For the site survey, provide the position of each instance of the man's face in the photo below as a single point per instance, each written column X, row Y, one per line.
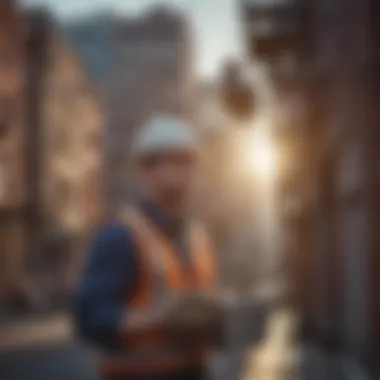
column 169, row 175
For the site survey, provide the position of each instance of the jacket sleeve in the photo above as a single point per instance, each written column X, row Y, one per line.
column 109, row 277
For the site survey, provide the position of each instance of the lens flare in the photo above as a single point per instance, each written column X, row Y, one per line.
column 263, row 155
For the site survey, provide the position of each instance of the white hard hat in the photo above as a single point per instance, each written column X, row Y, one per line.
column 164, row 133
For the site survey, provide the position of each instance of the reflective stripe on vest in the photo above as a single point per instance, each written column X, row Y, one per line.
column 161, row 276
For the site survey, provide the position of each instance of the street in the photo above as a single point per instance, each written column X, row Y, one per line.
column 277, row 358
column 44, row 349
column 63, row 361
column 70, row 361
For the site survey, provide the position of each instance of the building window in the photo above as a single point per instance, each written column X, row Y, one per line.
column 62, row 197
column 5, row 113
column 4, row 127
column 61, row 139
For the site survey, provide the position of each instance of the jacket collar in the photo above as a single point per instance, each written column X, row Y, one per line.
column 171, row 227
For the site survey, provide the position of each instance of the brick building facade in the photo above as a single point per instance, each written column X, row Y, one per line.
column 50, row 155
column 12, row 167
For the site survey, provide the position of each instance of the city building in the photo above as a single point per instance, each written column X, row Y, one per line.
column 71, row 158
column 148, row 70
column 92, row 38
column 335, row 183
column 12, row 168
column 50, row 157
column 343, row 147
column 334, row 188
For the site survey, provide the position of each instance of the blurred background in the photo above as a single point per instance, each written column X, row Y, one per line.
column 284, row 96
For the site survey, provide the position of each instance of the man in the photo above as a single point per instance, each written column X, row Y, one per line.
column 141, row 267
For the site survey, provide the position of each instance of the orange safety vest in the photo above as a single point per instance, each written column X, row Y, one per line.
column 160, row 276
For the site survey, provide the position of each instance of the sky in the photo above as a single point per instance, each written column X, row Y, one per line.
column 214, row 22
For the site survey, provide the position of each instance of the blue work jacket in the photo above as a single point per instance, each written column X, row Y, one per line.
column 111, row 274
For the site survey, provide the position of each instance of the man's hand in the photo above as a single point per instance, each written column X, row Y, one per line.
column 195, row 318
column 192, row 318
column 151, row 319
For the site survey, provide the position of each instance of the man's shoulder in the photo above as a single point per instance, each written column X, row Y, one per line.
column 111, row 248
column 113, row 232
